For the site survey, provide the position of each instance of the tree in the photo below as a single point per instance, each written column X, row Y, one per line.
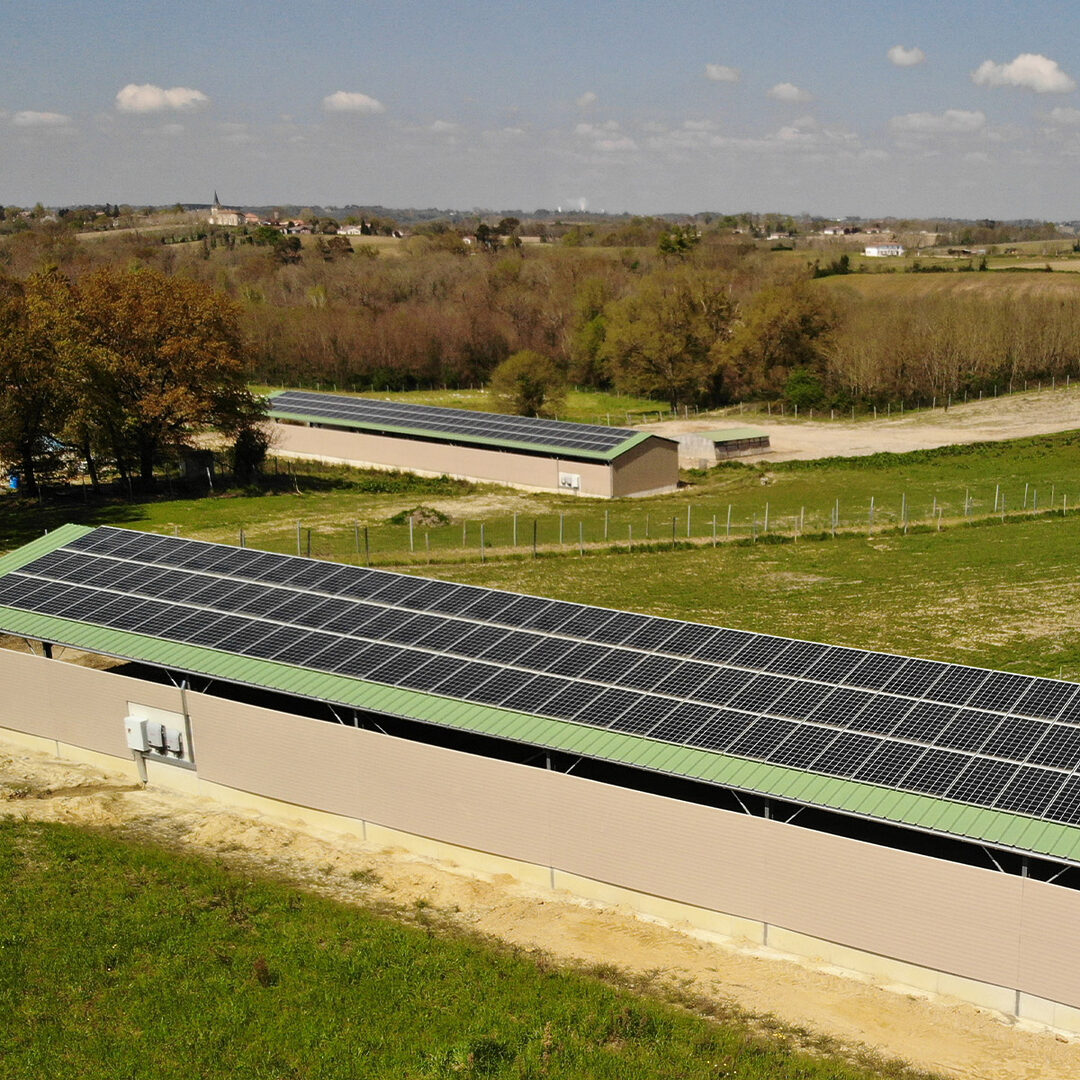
column 679, row 240
column 528, row 383
column 34, row 395
column 162, row 362
column 784, row 327
column 662, row 339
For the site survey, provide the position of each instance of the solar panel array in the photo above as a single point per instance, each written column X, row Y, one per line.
column 988, row 738
column 460, row 425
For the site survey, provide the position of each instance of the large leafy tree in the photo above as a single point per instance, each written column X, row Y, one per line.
column 661, row 340
column 161, row 361
column 35, row 394
column 528, row 384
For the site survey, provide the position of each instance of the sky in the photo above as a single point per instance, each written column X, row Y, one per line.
column 905, row 108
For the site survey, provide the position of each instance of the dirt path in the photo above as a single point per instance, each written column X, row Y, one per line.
column 1012, row 417
column 937, row 1034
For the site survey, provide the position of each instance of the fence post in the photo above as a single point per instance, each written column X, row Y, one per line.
column 356, row 536
column 630, row 536
column 427, row 544
column 483, row 552
column 309, row 543
column 646, row 526
column 687, row 521
column 714, row 530
column 672, row 532
column 562, row 519
column 1025, row 496
column 903, row 511
column 605, row 524
column 534, row 538
column 515, row 528
column 412, row 545
column 765, row 529
column 242, row 544
column 581, row 537
column 729, row 521
column 367, row 547
column 298, row 538
column 997, row 492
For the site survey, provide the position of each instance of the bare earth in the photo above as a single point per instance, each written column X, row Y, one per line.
column 936, row 1034
column 1012, row 417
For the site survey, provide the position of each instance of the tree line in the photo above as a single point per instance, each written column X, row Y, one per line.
column 123, row 369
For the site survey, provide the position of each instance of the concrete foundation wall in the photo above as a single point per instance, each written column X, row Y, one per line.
column 990, row 937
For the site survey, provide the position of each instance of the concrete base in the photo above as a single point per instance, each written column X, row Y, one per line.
column 715, row 926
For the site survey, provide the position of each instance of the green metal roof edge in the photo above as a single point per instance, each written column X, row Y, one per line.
column 480, row 440
column 994, row 827
column 13, row 560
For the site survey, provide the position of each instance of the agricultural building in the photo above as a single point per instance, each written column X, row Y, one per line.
column 884, row 251
column 703, row 449
column 916, row 820
column 543, row 455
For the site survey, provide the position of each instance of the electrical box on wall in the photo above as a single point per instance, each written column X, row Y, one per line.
column 158, row 734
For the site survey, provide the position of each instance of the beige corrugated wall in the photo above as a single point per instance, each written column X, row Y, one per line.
column 979, row 924
column 438, row 459
column 652, row 465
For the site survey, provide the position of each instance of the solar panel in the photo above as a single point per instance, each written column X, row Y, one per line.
column 457, row 425
column 993, row 739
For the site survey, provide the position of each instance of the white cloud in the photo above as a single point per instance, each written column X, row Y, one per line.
column 442, row 127
column 623, row 142
column 29, row 118
column 166, row 130
column 721, row 73
column 1029, row 70
column 147, row 98
column 902, row 57
column 1065, row 114
column 586, row 99
column 344, row 101
column 786, row 91
column 698, row 125
column 951, row 121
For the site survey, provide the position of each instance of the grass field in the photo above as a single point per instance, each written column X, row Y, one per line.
column 120, row 960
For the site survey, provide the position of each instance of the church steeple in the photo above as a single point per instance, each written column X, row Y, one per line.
column 217, row 201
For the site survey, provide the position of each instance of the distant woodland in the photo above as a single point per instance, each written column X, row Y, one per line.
column 694, row 313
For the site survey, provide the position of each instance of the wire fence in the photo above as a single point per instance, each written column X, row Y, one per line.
column 697, row 524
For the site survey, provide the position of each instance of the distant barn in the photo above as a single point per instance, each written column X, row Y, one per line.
column 543, row 455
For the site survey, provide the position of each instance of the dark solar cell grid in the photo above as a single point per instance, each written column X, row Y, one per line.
column 476, row 640
column 845, row 755
column 916, row 678
column 531, row 696
column 241, row 638
column 890, row 764
column 684, row 679
column 999, row 691
column 722, row 685
column 880, row 715
column 796, row 659
column 646, row 674
column 511, row 647
column 722, row 730
column 1070, row 712
column 762, row 737
column 398, row 666
column 835, row 664
column 874, row 670
column 759, row 693
column 841, row 706
column 982, row 781
column 546, row 651
column 522, row 610
column 1045, row 698
column 1066, row 804
column 722, row 646
column 1015, row 737
column 271, row 643
column 804, row 744
column 610, row 705
column 578, row 659
column 550, row 617
column 969, row 729
column 396, row 590
column 645, row 715
column 1060, row 749
column 586, row 623
column 762, row 651
column 1030, row 791
column 957, row 684
column 488, row 605
column 688, row 638
column 936, row 772
column 652, row 635
column 616, row 629
column 353, row 619
column 571, row 699
column 428, row 676
column 924, row 722
column 799, row 699
column 363, row 661
column 612, row 668
column 492, row 689
column 682, row 723
column 407, row 629
column 305, row 648
column 430, row 592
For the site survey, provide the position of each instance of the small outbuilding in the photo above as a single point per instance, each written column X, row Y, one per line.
column 703, row 449
column 521, row 451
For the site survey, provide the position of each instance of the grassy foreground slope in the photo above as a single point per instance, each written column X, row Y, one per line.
column 122, row 960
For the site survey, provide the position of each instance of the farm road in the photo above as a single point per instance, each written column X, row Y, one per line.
column 942, row 1035
column 1011, row 417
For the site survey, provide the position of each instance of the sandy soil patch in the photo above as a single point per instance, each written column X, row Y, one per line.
column 938, row 1034
column 990, row 420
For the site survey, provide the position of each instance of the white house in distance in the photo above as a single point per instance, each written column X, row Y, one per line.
column 883, row 250
column 219, row 215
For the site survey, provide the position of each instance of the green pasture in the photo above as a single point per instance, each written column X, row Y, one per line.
column 122, row 960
